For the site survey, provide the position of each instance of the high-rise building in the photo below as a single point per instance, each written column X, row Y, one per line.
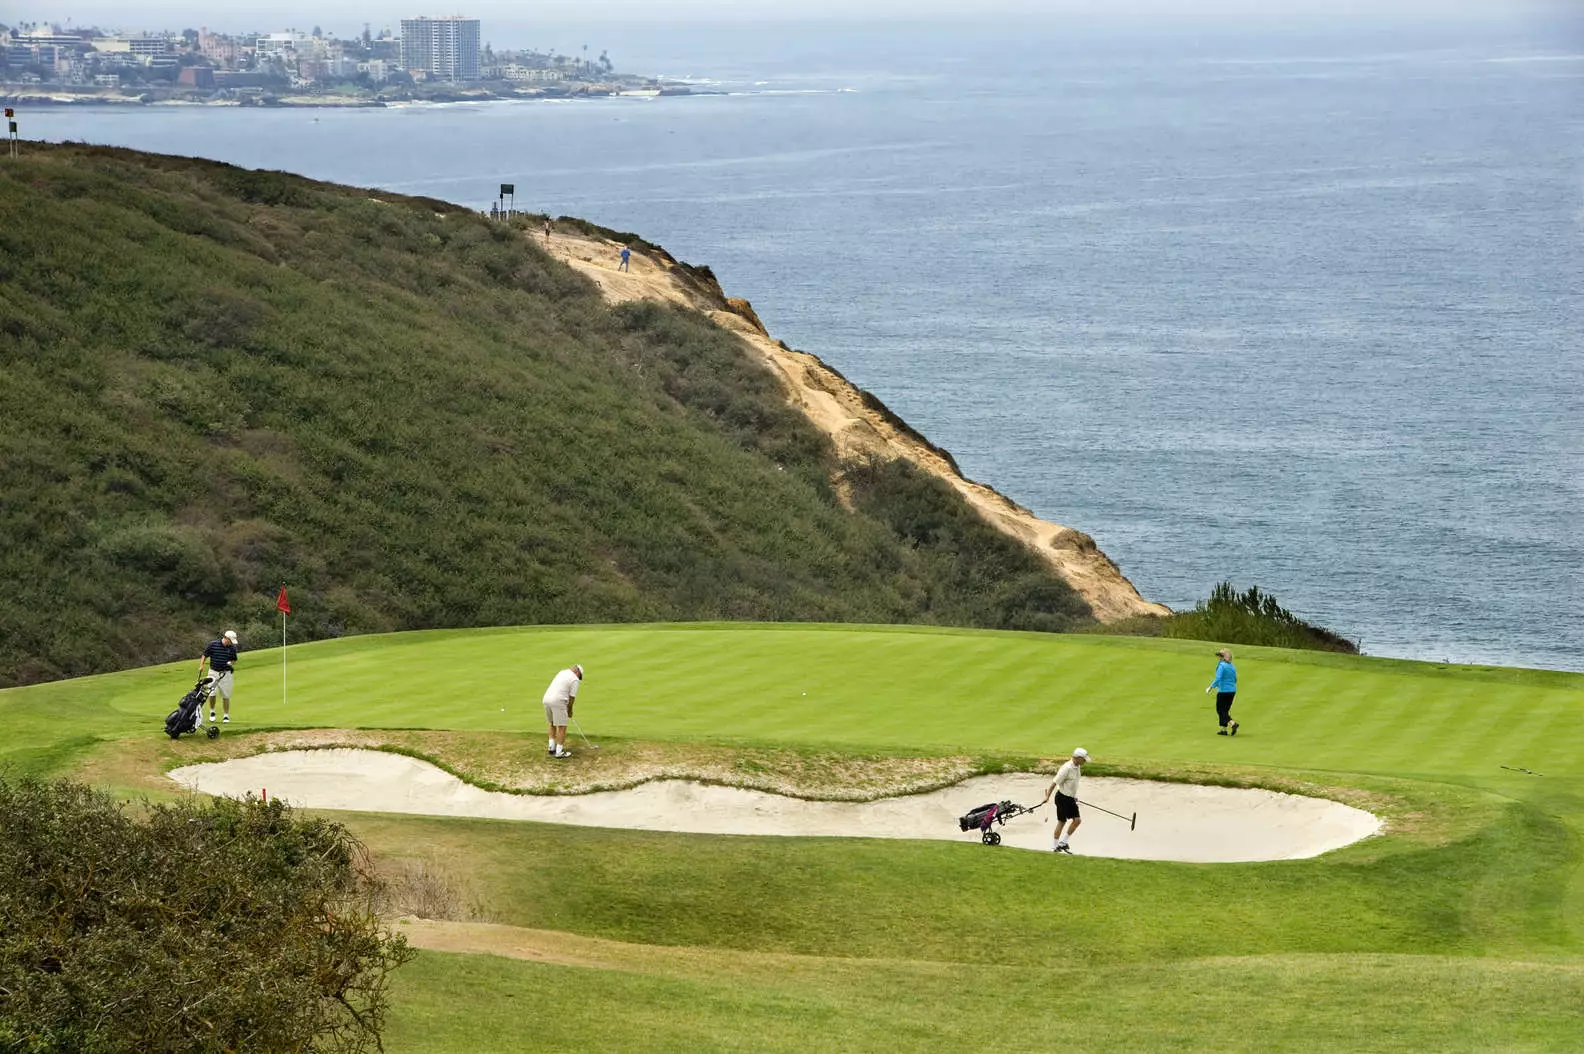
column 447, row 49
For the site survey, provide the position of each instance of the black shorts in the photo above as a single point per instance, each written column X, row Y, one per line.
column 1066, row 808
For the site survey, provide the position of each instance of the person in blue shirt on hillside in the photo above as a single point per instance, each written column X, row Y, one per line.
column 1225, row 686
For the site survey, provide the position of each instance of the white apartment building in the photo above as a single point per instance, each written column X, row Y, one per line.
column 446, row 49
column 288, row 46
column 142, row 47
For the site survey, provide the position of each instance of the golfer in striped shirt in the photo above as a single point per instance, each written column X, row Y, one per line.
column 221, row 657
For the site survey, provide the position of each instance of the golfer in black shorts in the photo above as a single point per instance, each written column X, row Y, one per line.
column 1066, row 787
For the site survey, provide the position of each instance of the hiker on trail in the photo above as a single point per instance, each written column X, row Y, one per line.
column 558, row 700
column 220, row 655
column 547, row 230
column 1225, row 685
column 1066, row 787
column 626, row 255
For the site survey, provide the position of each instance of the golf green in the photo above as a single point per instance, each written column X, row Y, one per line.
column 1461, row 928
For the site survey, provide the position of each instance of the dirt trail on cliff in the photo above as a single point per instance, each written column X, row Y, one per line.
column 858, row 425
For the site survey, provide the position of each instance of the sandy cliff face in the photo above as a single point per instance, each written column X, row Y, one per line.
column 857, row 422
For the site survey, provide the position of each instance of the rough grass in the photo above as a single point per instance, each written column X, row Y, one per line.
column 716, row 1002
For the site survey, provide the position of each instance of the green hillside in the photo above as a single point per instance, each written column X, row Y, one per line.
column 214, row 381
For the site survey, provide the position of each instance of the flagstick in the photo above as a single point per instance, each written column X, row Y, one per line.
column 283, row 660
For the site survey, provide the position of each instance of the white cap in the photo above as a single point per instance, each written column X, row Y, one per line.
column 577, row 669
column 1080, row 753
column 230, row 635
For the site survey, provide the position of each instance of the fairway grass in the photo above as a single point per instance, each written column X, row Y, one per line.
column 467, row 1003
column 1461, row 928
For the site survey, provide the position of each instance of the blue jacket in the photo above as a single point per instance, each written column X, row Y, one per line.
column 1225, row 677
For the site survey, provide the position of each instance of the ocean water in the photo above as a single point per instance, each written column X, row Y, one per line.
column 1302, row 308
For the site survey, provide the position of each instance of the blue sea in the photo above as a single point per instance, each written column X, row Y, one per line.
column 1298, row 308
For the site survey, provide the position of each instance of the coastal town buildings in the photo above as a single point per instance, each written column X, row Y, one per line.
column 221, row 51
column 512, row 71
column 435, row 57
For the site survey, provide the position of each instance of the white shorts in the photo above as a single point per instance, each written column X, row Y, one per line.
column 221, row 684
column 556, row 713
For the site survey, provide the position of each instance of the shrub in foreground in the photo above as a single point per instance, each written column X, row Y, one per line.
column 205, row 925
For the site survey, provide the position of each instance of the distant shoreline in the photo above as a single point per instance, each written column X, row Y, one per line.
column 308, row 102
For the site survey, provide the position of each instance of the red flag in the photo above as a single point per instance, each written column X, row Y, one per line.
column 282, row 604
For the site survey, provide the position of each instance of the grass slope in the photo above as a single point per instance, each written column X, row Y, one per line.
column 215, row 381
column 1462, row 929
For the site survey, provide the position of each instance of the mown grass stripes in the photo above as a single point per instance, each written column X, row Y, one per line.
column 935, row 690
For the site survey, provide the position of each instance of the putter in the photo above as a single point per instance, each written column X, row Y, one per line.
column 591, row 746
column 1132, row 820
column 1516, row 768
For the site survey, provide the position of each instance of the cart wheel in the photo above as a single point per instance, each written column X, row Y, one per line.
column 213, row 732
column 991, row 838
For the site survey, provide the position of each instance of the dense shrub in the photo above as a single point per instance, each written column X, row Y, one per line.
column 1251, row 617
column 979, row 576
column 207, row 925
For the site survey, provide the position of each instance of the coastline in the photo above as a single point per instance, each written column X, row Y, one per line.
column 15, row 97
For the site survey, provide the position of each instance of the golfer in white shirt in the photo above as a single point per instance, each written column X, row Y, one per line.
column 558, row 700
column 1066, row 787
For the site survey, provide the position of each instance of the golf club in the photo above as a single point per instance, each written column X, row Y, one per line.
column 1516, row 768
column 1132, row 820
column 591, row 746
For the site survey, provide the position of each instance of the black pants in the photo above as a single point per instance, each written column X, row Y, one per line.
column 1224, row 707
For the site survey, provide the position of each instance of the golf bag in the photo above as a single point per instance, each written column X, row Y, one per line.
column 188, row 714
column 985, row 816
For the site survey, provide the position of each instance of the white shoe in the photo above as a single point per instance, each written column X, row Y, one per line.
column 226, row 719
column 211, row 717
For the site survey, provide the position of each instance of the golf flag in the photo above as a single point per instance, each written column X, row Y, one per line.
column 284, row 607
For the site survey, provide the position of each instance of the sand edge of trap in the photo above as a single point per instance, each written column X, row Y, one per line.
column 1176, row 821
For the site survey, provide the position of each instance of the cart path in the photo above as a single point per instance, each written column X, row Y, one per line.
column 1176, row 821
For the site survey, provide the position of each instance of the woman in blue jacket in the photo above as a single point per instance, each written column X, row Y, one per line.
column 1225, row 686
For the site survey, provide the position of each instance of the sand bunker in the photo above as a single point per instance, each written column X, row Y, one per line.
column 1176, row 821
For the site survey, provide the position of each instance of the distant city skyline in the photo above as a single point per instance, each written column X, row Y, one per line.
column 348, row 17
